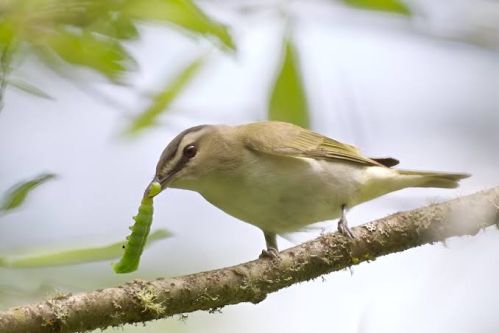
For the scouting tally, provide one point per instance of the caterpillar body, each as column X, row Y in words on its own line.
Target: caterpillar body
column 136, row 241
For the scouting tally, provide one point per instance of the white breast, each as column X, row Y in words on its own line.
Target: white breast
column 279, row 194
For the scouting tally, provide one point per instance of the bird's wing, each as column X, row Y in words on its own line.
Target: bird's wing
column 288, row 140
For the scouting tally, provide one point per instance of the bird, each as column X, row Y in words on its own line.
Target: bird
column 281, row 177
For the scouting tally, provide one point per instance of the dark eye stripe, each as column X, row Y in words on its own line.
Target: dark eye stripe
column 180, row 164
column 172, row 148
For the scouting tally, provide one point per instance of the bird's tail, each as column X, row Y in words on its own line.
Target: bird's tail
column 434, row 179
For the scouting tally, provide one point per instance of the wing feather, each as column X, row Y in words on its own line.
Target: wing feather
column 290, row 140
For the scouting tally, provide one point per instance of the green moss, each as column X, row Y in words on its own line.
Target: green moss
column 148, row 299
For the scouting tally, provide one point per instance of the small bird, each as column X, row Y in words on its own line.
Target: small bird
column 280, row 177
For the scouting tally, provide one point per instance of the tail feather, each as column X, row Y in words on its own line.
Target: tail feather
column 435, row 179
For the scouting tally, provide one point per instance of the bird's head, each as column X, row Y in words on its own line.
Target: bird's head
column 196, row 156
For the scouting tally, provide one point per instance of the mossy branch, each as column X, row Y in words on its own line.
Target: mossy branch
column 141, row 301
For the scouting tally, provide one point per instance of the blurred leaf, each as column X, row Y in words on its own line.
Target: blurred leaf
column 183, row 13
column 90, row 33
column 7, row 31
column 393, row 6
column 288, row 101
column 76, row 256
column 162, row 100
column 28, row 87
column 104, row 55
column 17, row 194
column 116, row 26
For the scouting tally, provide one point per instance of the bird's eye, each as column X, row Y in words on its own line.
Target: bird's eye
column 190, row 151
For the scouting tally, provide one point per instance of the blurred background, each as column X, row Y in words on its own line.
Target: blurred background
column 92, row 91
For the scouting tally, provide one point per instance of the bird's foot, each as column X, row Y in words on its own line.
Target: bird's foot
column 344, row 229
column 269, row 253
column 343, row 224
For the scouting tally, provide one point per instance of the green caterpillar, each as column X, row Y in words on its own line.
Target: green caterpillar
column 136, row 241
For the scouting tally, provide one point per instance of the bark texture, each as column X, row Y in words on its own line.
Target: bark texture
column 141, row 301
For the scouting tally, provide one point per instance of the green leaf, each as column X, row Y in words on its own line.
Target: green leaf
column 116, row 26
column 7, row 31
column 76, row 256
column 393, row 6
column 288, row 101
column 104, row 55
column 17, row 194
column 162, row 100
column 183, row 13
column 27, row 87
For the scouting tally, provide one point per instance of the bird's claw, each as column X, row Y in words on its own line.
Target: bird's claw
column 343, row 225
column 269, row 253
column 345, row 230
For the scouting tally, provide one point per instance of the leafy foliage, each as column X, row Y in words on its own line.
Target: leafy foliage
column 288, row 101
column 90, row 33
column 393, row 6
column 76, row 256
column 163, row 99
column 183, row 13
column 17, row 194
column 106, row 56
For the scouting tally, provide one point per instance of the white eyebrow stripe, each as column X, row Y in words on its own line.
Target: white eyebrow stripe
column 172, row 154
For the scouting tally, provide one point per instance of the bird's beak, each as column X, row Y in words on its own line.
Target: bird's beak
column 164, row 181
column 165, row 178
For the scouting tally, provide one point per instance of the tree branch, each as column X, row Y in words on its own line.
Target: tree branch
column 140, row 301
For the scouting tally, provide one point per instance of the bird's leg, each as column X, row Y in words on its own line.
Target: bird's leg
column 343, row 223
column 271, row 243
